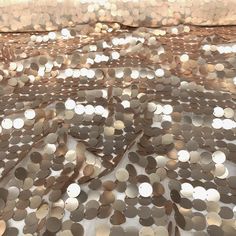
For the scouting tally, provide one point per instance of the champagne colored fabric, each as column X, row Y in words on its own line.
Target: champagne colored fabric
column 42, row 15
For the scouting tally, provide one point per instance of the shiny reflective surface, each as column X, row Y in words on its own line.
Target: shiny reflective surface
column 118, row 127
column 58, row 14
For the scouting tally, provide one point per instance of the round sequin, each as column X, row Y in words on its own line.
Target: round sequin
column 145, row 189
column 73, row 190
